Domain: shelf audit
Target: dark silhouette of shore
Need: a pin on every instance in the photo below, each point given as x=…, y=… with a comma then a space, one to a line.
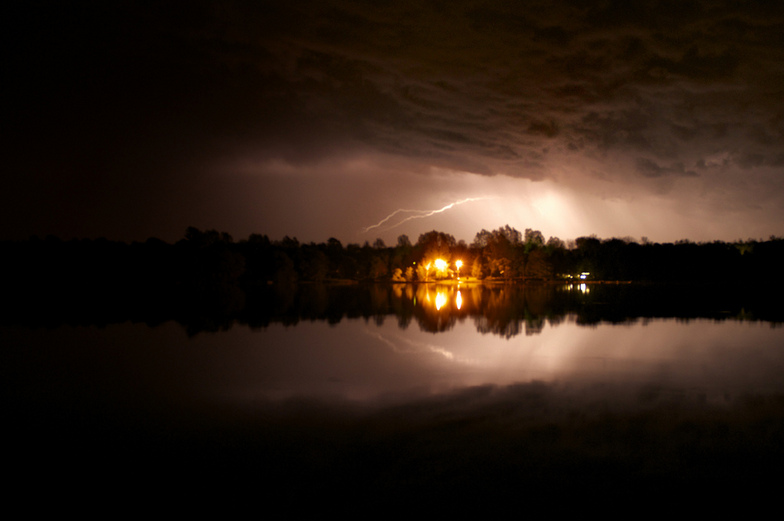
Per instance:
x=207, y=280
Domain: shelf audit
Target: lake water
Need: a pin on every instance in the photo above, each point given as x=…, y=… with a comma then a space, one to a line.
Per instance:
x=406, y=389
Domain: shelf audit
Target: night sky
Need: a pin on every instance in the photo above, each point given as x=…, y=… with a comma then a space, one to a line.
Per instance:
x=126, y=120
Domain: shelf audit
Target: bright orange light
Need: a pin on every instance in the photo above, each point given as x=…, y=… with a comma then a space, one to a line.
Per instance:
x=441, y=264
x=440, y=300
x=459, y=264
x=459, y=298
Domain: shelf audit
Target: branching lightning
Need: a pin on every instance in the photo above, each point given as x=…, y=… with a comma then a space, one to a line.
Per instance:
x=418, y=214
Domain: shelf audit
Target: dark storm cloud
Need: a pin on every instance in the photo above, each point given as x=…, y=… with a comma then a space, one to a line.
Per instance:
x=507, y=86
x=144, y=98
x=650, y=168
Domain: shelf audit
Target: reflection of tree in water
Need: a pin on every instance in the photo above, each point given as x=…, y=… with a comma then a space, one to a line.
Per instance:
x=538, y=302
x=511, y=309
x=485, y=324
x=316, y=301
x=379, y=302
x=436, y=307
x=500, y=314
x=403, y=304
x=555, y=320
x=506, y=310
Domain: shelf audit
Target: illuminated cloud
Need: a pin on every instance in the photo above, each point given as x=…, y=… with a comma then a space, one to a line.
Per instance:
x=157, y=118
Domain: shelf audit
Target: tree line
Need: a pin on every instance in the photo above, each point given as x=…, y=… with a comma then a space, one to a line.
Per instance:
x=207, y=277
x=210, y=259
x=504, y=254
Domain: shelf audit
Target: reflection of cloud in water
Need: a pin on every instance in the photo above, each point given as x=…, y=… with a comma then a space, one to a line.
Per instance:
x=326, y=408
x=713, y=359
x=585, y=441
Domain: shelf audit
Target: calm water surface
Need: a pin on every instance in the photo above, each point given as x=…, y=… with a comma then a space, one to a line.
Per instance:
x=361, y=359
x=450, y=364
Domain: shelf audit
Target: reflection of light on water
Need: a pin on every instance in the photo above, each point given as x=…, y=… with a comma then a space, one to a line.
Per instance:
x=446, y=354
x=665, y=353
x=421, y=347
x=440, y=300
x=717, y=359
x=582, y=287
x=440, y=297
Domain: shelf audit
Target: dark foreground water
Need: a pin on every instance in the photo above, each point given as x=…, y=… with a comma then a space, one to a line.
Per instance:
x=402, y=395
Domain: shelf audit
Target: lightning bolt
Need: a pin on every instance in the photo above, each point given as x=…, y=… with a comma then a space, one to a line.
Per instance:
x=419, y=214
